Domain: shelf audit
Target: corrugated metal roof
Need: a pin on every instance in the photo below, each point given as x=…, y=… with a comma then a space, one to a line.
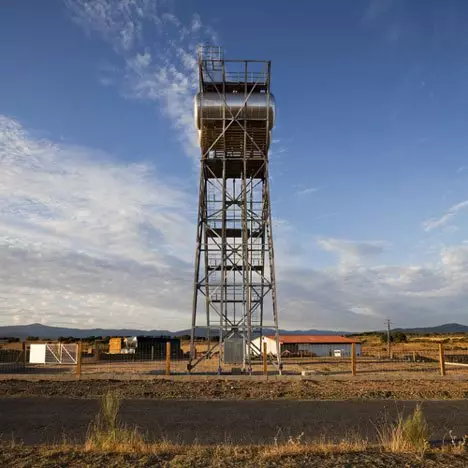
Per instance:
x=325, y=339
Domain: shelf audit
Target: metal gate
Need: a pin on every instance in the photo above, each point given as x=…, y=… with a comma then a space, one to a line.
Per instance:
x=59, y=353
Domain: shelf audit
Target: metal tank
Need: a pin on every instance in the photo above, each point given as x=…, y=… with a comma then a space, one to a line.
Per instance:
x=210, y=106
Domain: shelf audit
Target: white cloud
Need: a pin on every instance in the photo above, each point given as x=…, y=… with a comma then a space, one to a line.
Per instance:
x=307, y=191
x=359, y=297
x=87, y=241
x=435, y=223
x=82, y=235
x=352, y=252
x=157, y=54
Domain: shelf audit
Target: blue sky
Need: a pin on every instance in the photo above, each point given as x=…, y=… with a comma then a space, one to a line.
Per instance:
x=369, y=164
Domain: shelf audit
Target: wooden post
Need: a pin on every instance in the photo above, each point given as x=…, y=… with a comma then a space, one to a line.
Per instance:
x=389, y=340
x=24, y=354
x=265, y=368
x=152, y=353
x=353, y=358
x=441, y=359
x=168, y=358
x=78, y=359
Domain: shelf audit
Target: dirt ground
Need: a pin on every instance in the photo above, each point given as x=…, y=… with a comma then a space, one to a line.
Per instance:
x=227, y=389
x=249, y=457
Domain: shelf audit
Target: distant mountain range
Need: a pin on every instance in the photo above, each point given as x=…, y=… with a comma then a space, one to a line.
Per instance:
x=446, y=328
x=44, y=331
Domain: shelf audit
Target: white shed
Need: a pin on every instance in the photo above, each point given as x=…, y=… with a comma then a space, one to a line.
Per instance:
x=315, y=345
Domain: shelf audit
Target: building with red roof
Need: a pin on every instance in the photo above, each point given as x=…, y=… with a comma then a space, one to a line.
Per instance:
x=311, y=345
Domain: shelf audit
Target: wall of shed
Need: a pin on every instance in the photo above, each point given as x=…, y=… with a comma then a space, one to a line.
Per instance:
x=318, y=349
x=328, y=349
x=271, y=345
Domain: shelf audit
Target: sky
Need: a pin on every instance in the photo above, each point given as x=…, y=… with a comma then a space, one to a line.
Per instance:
x=99, y=165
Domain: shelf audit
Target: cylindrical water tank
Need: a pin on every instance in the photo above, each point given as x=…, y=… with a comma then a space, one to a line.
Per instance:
x=210, y=105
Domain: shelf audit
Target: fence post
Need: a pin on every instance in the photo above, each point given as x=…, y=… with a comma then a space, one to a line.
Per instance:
x=441, y=359
x=78, y=359
x=24, y=354
x=353, y=358
x=152, y=353
x=265, y=368
x=168, y=358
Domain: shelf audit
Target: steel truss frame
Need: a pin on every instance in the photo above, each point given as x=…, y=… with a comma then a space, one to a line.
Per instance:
x=234, y=261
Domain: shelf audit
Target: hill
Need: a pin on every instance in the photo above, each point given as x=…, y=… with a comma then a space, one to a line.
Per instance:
x=440, y=329
x=44, y=331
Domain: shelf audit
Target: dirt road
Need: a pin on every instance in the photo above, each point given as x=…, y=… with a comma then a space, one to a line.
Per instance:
x=47, y=420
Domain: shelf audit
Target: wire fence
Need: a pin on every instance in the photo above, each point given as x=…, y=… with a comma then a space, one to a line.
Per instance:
x=39, y=358
x=170, y=358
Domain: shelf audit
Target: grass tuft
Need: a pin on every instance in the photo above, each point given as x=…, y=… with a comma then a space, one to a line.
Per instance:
x=406, y=435
x=108, y=434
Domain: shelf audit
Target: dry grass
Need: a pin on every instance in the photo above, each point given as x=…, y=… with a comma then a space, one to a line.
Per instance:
x=108, y=434
x=222, y=456
x=406, y=435
x=295, y=446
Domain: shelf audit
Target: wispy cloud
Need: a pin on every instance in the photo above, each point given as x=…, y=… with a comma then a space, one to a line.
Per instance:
x=351, y=252
x=355, y=296
x=157, y=54
x=376, y=9
x=435, y=223
x=389, y=17
x=84, y=235
x=307, y=191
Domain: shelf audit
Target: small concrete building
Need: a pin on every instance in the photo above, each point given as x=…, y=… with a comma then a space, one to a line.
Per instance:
x=312, y=345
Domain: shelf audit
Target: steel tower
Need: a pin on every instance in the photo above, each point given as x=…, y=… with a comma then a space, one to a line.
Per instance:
x=234, y=286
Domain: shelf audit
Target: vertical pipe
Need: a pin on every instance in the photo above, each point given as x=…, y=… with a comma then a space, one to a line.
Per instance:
x=353, y=358
x=265, y=369
x=207, y=272
x=247, y=286
x=441, y=358
x=168, y=358
x=197, y=264
x=269, y=227
x=223, y=303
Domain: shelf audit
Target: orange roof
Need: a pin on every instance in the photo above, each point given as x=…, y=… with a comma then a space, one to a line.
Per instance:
x=332, y=339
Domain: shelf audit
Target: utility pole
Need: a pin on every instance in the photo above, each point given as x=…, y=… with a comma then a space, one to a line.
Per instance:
x=389, y=339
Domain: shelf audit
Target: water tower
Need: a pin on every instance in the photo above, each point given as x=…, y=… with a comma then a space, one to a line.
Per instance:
x=234, y=299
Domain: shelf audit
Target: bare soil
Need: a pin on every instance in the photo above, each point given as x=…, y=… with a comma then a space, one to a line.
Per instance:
x=226, y=389
x=36, y=456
